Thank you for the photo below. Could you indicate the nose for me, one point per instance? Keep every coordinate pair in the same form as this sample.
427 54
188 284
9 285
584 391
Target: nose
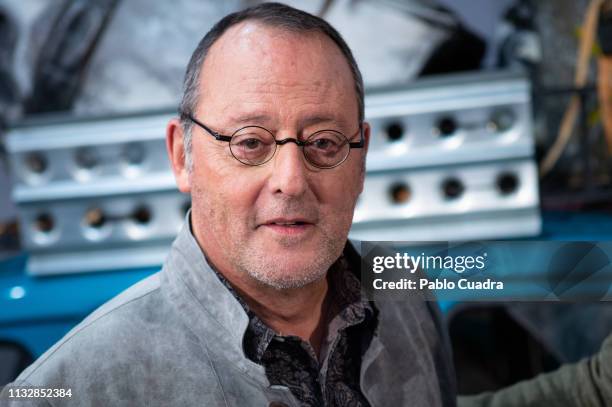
289 173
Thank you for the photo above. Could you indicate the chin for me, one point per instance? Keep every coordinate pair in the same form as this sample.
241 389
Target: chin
281 271
288 262
289 279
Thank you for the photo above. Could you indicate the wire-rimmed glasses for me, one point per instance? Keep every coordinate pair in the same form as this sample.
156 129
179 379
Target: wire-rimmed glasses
255 145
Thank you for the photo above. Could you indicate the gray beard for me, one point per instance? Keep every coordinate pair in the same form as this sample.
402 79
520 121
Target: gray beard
272 274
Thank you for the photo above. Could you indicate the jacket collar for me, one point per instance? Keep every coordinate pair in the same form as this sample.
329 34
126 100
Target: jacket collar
207 308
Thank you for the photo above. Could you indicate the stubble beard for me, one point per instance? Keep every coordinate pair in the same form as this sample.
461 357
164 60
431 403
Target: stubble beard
279 273
262 266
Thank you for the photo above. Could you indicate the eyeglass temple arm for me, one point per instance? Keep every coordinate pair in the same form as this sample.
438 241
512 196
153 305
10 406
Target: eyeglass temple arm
213 133
361 142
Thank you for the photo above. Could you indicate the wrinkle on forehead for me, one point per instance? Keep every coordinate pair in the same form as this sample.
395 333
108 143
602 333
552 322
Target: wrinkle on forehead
253 67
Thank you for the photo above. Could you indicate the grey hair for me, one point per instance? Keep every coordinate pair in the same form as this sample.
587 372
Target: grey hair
273 15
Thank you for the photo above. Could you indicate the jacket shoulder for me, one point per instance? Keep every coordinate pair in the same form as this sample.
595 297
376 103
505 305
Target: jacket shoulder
103 335
131 350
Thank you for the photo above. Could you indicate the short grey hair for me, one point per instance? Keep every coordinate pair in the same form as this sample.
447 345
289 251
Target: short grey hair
270 14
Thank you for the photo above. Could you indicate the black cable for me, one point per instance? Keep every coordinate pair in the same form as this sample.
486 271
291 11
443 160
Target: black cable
66 53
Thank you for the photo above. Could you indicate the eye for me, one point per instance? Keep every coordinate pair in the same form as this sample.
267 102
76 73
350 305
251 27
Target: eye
324 144
326 148
250 144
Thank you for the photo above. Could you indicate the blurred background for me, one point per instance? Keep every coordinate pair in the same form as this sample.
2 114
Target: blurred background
492 119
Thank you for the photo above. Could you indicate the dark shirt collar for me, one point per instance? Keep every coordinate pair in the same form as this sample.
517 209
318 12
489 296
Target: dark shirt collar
348 306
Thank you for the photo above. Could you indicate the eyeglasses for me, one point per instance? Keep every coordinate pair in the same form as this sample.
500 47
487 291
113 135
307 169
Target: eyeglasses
255 145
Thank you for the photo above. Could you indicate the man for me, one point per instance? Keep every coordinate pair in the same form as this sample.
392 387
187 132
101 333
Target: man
259 302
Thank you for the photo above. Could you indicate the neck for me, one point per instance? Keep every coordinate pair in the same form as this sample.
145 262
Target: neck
297 311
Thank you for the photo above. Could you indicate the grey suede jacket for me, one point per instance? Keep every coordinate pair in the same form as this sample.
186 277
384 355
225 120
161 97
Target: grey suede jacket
175 339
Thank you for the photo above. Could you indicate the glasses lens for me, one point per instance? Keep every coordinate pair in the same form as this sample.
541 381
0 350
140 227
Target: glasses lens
326 148
253 145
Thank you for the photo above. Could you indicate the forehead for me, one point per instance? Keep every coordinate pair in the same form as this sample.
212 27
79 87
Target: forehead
257 69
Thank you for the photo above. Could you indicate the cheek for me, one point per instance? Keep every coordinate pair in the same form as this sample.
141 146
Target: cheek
339 194
227 197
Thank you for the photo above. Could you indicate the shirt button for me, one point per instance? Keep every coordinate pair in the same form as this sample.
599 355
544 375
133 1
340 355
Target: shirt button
277 404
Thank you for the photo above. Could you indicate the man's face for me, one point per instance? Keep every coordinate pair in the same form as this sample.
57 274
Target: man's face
285 222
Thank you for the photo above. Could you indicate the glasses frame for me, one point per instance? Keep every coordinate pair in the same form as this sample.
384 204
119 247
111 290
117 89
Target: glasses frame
220 137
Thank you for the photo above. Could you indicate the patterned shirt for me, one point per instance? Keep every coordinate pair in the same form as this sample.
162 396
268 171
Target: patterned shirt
292 362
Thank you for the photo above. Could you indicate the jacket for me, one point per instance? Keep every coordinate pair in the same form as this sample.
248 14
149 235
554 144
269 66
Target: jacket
175 338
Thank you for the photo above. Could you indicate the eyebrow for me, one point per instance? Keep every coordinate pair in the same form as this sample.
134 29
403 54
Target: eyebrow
316 119
250 118
262 118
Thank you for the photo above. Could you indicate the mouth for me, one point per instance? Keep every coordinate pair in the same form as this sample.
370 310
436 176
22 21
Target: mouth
295 223
291 227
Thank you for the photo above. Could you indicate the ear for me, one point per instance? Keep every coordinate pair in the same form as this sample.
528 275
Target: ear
366 140
176 154
366 135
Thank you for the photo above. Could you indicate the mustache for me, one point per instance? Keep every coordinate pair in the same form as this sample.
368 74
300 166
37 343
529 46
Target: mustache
288 209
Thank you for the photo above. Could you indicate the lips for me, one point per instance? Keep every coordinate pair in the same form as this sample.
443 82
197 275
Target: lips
289 222
295 227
